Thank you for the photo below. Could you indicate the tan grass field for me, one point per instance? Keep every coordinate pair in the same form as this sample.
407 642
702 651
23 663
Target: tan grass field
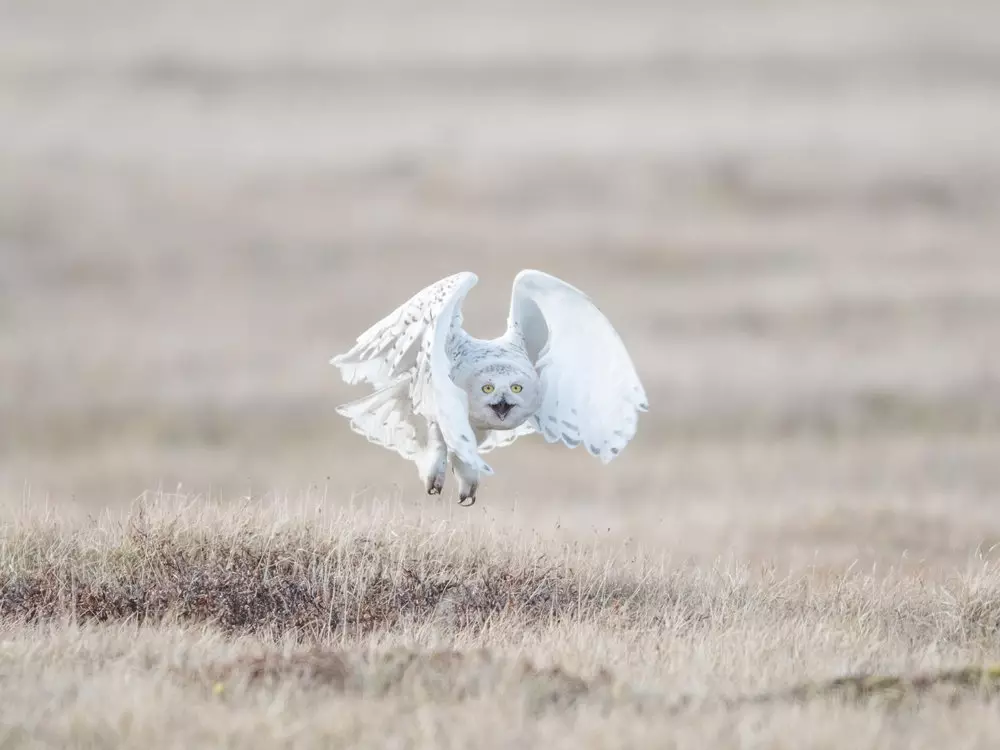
791 212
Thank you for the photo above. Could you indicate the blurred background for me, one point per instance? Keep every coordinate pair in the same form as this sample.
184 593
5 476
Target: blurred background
790 210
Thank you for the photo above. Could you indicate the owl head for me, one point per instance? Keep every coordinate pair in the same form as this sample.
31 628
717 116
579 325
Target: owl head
501 395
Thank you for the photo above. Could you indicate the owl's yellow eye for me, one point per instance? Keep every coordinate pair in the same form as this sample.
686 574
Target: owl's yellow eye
488 388
516 388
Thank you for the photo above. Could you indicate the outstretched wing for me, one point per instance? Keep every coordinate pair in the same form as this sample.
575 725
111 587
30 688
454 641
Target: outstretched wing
405 355
591 391
386 418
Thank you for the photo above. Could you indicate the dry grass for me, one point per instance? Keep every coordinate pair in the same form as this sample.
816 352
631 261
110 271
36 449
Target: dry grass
251 627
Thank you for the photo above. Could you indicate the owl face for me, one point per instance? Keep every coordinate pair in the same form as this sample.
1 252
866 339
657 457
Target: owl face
501 397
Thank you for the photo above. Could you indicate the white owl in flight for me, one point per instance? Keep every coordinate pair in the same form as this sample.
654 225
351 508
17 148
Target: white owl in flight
440 395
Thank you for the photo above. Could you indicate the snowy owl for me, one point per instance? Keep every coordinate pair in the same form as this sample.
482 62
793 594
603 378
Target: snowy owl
442 396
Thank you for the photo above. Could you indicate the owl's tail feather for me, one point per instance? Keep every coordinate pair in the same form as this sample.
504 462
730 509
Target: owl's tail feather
386 418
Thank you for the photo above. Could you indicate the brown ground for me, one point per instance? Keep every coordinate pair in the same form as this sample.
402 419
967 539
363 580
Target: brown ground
790 210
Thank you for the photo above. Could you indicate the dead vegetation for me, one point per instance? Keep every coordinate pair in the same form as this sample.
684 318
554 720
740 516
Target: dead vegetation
241 608
257 572
296 581
467 675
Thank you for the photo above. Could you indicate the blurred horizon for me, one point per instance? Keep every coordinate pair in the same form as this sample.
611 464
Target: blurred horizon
788 210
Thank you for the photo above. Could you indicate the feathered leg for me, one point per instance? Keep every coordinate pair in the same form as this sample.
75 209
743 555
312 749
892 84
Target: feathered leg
432 464
468 480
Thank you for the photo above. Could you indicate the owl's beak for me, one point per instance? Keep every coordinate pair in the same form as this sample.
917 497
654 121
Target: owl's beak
501 408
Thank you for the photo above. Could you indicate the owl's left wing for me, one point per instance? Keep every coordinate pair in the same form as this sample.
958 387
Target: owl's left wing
591 391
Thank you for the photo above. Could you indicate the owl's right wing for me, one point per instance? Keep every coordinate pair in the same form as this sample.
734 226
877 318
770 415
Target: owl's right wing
407 352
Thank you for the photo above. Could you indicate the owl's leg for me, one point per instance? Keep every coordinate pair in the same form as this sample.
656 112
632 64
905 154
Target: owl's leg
468 480
432 464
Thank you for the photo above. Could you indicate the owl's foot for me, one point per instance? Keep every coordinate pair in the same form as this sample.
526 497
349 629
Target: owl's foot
467 495
435 483
432 464
468 481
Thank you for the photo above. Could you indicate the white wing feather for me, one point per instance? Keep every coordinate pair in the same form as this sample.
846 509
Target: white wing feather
592 393
385 418
406 354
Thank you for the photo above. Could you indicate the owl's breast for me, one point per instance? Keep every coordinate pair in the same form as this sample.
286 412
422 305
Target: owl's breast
490 421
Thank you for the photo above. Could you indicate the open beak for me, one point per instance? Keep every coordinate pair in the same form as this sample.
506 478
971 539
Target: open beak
501 408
